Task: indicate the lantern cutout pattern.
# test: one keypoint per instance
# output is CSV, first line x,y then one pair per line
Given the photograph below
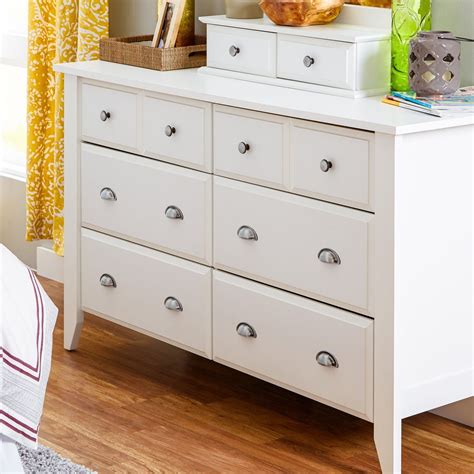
x,y
435,63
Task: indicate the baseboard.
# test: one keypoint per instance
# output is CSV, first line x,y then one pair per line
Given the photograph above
x,y
462,412
49,265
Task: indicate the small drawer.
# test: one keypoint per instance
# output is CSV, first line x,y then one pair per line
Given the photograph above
x,y
235,49
314,349
165,296
303,245
178,131
332,163
323,62
250,145
109,116
155,204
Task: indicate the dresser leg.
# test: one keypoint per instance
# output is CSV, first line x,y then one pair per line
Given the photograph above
x,y
73,322
388,441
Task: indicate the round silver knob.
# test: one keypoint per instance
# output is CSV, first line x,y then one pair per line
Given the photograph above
x,y
173,304
329,256
245,330
243,147
325,165
108,281
308,61
247,233
169,130
234,51
107,194
104,115
326,359
173,212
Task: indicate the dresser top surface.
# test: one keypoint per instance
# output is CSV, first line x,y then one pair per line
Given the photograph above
x,y
366,114
334,31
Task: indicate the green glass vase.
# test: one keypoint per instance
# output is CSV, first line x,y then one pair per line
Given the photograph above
x,y
408,18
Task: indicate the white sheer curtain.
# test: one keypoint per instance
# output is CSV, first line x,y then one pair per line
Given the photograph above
x,y
13,53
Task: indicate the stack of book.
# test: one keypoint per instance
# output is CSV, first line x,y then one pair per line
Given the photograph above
x,y
462,102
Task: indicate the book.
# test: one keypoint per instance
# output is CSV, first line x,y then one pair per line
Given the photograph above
x,y
462,101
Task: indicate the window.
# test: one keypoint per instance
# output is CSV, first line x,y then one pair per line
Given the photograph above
x,y
13,92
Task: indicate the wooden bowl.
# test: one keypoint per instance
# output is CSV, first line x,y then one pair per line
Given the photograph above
x,y
302,12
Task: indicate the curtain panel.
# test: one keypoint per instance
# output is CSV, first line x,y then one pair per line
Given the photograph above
x,y
59,31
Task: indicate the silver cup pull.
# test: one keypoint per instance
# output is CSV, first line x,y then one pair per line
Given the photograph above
x,y
326,359
173,304
169,130
234,51
247,233
173,212
308,61
243,148
245,330
329,256
107,194
325,165
104,116
108,281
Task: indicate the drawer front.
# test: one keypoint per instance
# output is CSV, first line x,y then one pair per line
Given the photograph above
x,y
153,203
328,63
310,247
145,279
332,163
178,131
290,333
252,52
250,145
109,116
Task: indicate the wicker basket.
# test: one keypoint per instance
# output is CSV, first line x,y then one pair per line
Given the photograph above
x,y
127,50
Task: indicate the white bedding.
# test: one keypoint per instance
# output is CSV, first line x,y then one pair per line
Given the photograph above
x,y
27,319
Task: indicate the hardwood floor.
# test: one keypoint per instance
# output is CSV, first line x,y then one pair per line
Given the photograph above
x,y
125,402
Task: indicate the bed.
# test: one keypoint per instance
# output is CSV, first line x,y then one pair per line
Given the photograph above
x,y
27,319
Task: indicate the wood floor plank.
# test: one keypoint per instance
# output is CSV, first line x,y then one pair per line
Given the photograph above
x,y
127,403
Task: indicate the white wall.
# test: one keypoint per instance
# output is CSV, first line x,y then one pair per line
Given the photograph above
x,y
458,16
12,220
138,17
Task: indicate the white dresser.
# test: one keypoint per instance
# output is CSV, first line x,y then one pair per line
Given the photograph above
x,y
321,243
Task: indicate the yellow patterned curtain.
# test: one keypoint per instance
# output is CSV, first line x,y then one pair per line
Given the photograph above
x,y
59,31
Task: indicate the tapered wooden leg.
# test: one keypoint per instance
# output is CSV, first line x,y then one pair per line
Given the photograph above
x,y
73,322
388,441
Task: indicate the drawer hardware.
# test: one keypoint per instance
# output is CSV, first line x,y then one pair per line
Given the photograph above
x,y
104,116
325,165
245,330
173,304
234,51
247,233
308,61
108,281
107,194
326,359
243,147
329,256
169,130
173,212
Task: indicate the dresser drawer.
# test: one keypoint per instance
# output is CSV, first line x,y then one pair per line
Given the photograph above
x,y
310,247
250,145
178,130
278,336
155,292
235,49
332,163
328,63
152,203
109,116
